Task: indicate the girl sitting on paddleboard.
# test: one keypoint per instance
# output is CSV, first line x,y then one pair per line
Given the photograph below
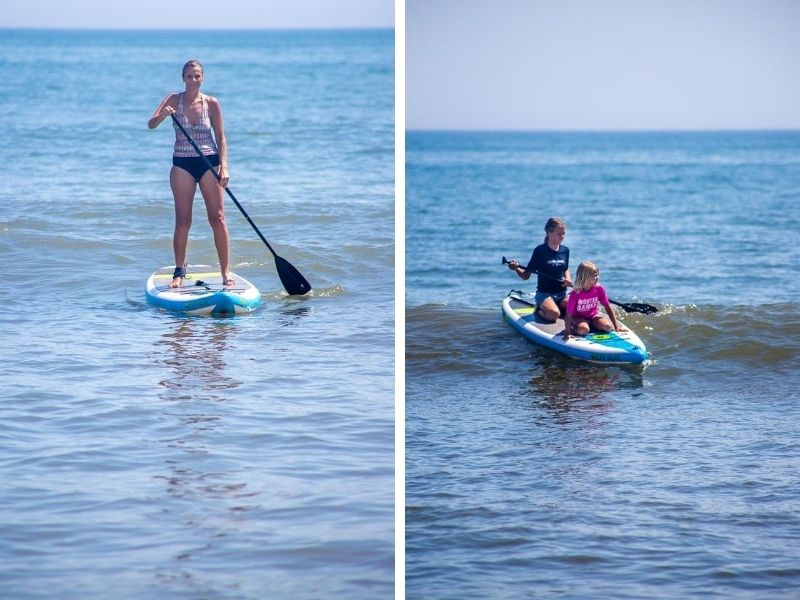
x,y
583,312
550,260
201,115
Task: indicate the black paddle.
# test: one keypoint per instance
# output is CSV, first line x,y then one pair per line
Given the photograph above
x,y
292,280
639,307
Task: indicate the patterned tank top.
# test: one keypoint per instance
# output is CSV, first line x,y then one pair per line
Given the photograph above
x,y
201,133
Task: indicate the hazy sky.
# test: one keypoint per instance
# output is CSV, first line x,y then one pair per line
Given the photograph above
x,y
202,14
602,64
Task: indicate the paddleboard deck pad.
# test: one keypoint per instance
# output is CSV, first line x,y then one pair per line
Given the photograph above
x,y
615,347
201,292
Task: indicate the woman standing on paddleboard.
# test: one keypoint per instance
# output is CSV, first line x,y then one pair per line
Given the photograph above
x,y
551,261
200,115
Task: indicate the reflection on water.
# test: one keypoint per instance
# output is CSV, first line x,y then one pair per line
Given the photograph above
x,y
206,491
565,386
194,351
291,316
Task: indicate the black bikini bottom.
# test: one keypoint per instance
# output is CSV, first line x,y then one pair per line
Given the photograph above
x,y
194,165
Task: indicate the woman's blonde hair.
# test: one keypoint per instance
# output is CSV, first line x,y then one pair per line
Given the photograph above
x,y
552,224
189,64
585,270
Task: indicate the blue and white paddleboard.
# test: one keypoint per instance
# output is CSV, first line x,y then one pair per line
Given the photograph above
x,y
615,347
201,292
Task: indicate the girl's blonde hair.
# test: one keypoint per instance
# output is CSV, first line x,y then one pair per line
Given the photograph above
x,y
552,224
585,270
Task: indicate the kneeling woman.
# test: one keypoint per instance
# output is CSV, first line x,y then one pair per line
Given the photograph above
x,y
550,260
583,312
199,115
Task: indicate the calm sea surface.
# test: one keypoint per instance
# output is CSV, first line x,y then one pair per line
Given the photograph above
x,y
533,475
161,456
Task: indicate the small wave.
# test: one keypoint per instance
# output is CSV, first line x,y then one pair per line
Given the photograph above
x,y
440,337
328,292
323,292
766,336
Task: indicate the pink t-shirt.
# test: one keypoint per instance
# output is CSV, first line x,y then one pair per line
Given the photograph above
x,y
585,304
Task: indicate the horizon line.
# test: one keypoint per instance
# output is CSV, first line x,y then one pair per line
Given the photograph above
x,y
611,130
139,29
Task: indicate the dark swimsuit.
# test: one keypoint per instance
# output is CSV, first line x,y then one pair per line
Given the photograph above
x,y
195,165
184,155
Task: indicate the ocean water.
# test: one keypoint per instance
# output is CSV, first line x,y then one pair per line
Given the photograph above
x,y
161,456
529,474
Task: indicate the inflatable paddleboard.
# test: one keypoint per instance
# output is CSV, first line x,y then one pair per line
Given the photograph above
x,y
201,292
615,347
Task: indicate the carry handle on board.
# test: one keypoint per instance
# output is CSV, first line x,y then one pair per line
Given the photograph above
x,y
639,307
292,280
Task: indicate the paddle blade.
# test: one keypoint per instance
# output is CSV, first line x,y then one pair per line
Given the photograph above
x,y
647,309
638,307
293,282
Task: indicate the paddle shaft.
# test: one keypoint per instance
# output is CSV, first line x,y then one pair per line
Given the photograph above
x,y
227,190
292,280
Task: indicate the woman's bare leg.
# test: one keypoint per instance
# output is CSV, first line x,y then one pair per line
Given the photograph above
x,y
549,310
183,188
215,208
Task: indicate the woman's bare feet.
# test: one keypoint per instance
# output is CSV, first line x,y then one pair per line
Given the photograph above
x,y
177,277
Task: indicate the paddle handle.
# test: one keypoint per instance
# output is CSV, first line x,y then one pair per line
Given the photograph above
x,y
227,191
